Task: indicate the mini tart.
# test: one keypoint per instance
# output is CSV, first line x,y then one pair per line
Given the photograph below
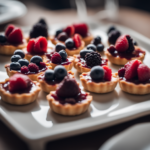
x,y
33,77
19,99
54,40
68,109
87,40
50,87
123,61
8,49
99,87
80,67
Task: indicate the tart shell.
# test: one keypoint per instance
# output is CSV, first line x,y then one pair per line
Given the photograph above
x,y
87,40
68,109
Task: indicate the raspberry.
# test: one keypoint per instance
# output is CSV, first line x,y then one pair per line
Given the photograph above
x,y
121,72
69,30
33,68
30,46
24,69
111,49
56,58
143,73
42,65
77,40
108,73
40,45
93,59
131,45
9,29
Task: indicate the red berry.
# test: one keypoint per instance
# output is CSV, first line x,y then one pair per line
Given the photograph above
x,y
143,73
33,68
24,69
131,69
122,44
56,58
111,49
69,30
77,40
42,65
81,28
40,45
108,73
18,82
16,36
30,46
9,29
121,72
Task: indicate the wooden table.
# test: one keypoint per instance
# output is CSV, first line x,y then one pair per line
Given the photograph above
x,y
134,19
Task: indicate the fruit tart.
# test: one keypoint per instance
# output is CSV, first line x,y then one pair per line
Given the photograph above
x,y
19,90
88,59
68,99
124,51
99,80
134,78
12,40
51,78
22,66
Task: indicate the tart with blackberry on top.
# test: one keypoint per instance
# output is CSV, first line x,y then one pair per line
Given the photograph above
x,y
19,90
124,51
12,40
134,78
68,99
99,80
51,78
22,66
88,59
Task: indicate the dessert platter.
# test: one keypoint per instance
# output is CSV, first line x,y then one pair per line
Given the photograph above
x,y
71,79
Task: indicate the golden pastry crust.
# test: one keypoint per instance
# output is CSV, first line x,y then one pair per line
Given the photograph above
x,y
68,109
87,40
33,77
19,99
122,61
47,87
101,87
9,49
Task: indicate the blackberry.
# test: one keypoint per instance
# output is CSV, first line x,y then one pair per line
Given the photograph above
x,y
113,36
112,28
131,45
93,59
43,22
38,30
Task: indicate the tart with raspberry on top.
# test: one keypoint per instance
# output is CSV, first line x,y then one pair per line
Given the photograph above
x,y
134,78
51,78
12,40
20,65
124,51
19,90
88,59
99,80
68,99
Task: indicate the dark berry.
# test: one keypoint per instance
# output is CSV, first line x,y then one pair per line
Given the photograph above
x,y
36,60
15,58
19,52
3,39
60,47
97,73
135,43
131,45
58,32
92,47
24,69
15,66
42,65
23,62
100,47
96,40
49,75
33,68
69,43
60,72
56,58
63,55
93,59
112,28
84,52
121,72
62,36
38,30
111,49
113,36
43,22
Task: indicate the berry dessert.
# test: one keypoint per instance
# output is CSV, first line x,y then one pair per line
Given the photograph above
x,y
19,90
12,40
20,65
68,99
99,80
134,78
88,59
124,51
51,78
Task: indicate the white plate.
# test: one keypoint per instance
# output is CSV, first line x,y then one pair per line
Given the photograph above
x,y
36,123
